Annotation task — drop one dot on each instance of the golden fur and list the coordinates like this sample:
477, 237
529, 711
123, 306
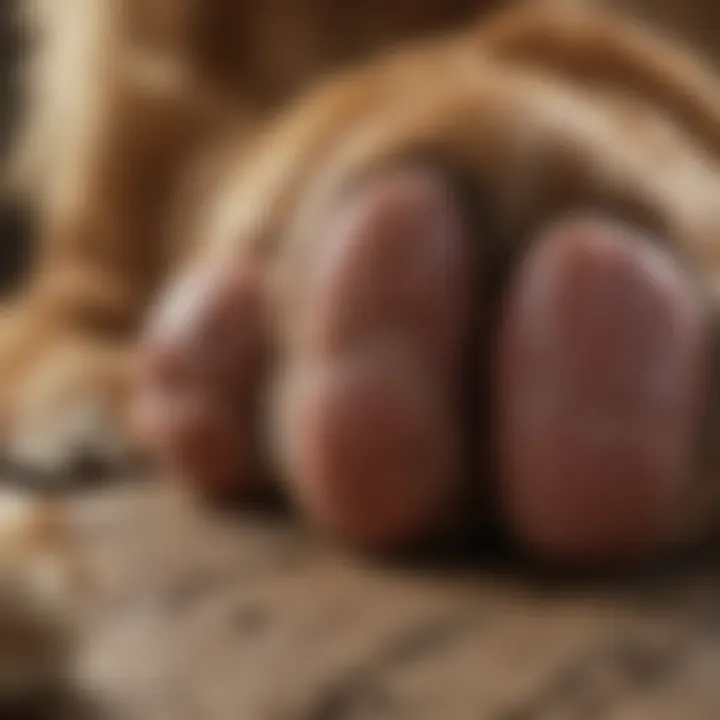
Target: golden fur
139, 112
134, 107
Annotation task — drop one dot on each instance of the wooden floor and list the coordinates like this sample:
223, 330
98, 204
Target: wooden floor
197, 616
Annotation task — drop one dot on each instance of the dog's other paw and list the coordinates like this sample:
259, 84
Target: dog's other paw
39, 590
64, 402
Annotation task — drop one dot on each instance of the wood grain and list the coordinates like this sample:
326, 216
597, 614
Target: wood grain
197, 615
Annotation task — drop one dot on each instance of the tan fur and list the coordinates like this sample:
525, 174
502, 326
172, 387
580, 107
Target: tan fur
136, 108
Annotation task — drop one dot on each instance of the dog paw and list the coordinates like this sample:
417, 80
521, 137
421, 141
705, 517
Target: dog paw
462, 283
64, 403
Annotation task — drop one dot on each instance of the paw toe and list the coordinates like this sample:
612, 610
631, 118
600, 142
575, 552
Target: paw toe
602, 386
205, 357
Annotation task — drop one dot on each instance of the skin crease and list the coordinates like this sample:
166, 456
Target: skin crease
542, 109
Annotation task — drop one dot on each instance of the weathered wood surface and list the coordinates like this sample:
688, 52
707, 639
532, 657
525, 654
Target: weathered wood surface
198, 616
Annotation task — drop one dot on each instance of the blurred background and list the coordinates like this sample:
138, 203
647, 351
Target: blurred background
14, 235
